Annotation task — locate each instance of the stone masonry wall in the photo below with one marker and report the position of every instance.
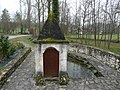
(109, 58)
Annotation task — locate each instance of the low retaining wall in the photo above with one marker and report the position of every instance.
(12, 66)
(109, 58)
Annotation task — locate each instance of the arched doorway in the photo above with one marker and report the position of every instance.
(51, 62)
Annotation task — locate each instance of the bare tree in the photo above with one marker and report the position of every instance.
(85, 13)
(112, 16)
(21, 16)
(64, 15)
(43, 10)
(28, 14)
(94, 19)
(39, 11)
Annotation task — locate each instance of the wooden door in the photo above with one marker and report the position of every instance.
(51, 62)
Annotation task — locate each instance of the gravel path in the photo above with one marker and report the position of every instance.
(27, 45)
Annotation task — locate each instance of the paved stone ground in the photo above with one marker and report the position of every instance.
(22, 79)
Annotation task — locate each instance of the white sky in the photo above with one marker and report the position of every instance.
(13, 5)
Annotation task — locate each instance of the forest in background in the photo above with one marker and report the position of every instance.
(95, 20)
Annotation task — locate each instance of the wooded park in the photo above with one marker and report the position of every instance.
(90, 20)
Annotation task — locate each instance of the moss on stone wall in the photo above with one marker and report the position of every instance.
(50, 40)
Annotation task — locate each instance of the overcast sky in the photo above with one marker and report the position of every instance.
(10, 5)
(13, 5)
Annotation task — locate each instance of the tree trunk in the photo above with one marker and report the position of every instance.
(111, 34)
(21, 23)
(29, 15)
(39, 26)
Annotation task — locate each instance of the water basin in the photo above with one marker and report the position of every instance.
(75, 70)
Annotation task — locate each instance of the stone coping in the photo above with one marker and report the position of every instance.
(95, 48)
(12, 66)
(84, 61)
(50, 41)
(107, 57)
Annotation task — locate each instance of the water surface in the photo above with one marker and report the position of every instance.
(76, 70)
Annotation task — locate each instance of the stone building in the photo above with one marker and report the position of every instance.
(51, 51)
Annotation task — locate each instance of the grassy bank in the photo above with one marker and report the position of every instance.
(25, 39)
(100, 37)
(115, 47)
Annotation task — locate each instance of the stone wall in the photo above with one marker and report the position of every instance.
(109, 58)
(12, 66)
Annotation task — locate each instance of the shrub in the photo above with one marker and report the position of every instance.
(18, 45)
(6, 48)
(64, 78)
(39, 79)
(11, 50)
(4, 45)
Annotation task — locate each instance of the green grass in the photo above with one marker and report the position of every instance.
(16, 31)
(115, 47)
(114, 37)
(24, 39)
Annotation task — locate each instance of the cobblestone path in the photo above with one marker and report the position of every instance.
(22, 79)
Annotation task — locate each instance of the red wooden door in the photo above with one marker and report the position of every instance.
(51, 62)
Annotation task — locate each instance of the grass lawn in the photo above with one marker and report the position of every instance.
(115, 47)
(114, 37)
(24, 39)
